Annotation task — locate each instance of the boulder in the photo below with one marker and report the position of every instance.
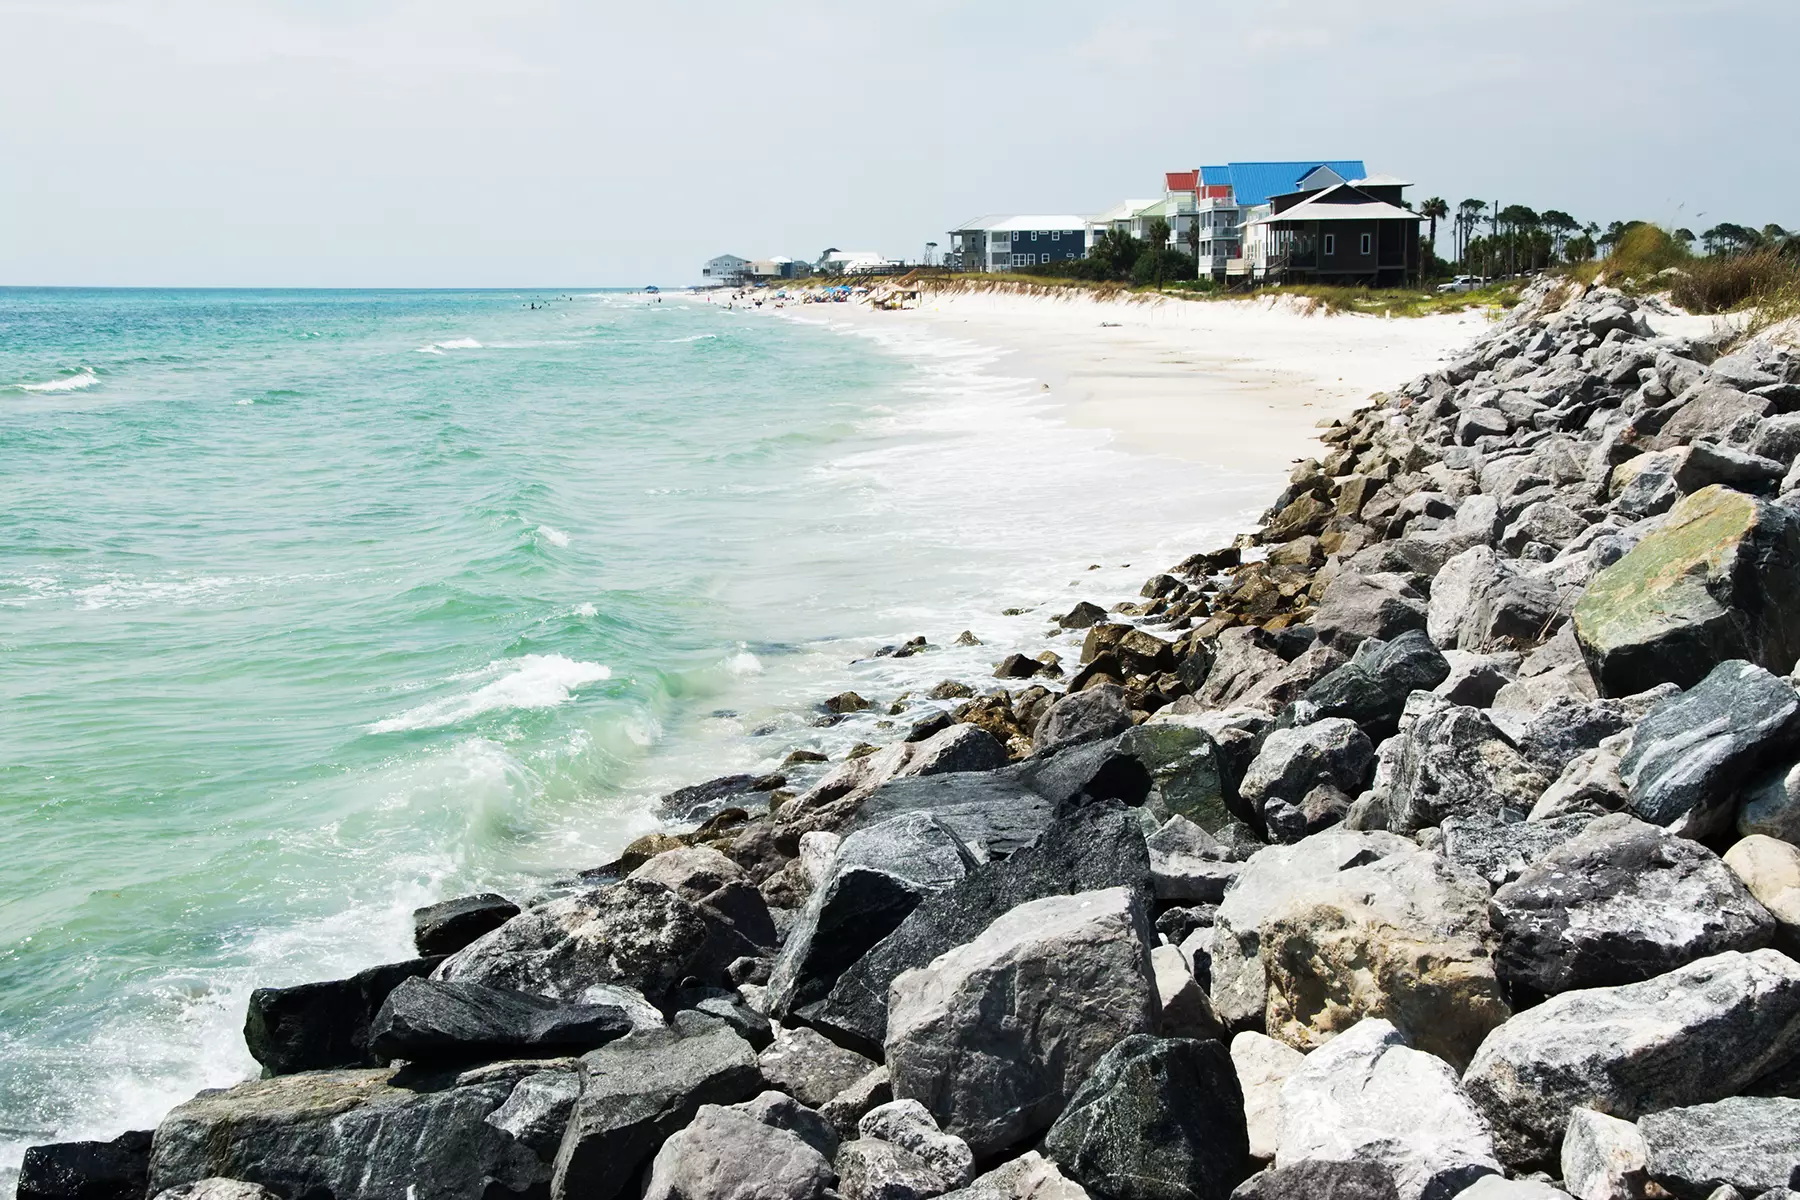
(1713, 583)
(1293, 761)
(1770, 871)
(315, 1026)
(700, 801)
(1370, 1097)
(998, 811)
(637, 1091)
(1475, 679)
(449, 925)
(1098, 712)
(1588, 786)
(810, 1068)
(1496, 1187)
(959, 748)
(1243, 657)
(902, 1155)
(427, 1020)
(1771, 804)
(1454, 761)
(1188, 865)
(115, 1170)
(374, 1134)
(1715, 412)
(1027, 1177)
(907, 1124)
(1482, 602)
(1567, 726)
(1321, 1179)
(635, 933)
(1187, 772)
(1156, 1118)
(711, 1159)
(1371, 689)
(1500, 850)
(1751, 1143)
(1263, 1065)
(1696, 1034)
(1618, 903)
(216, 1189)
(1356, 606)
(1603, 1158)
(878, 876)
(993, 1037)
(694, 872)
(1693, 751)
(1185, 1010)
(849, 1106)
(1096, 849)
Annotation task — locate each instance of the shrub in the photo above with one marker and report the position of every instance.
(1643, 251)
(1721, 283)
(1162, 266)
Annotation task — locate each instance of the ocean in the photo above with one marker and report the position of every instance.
(319, 606)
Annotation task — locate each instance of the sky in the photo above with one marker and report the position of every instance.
(464, 143)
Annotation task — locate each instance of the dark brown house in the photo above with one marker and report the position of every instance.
(1354, 234)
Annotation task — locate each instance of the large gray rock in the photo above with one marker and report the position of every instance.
(640, 1089)
(1603, 1158)
(998, 811)
(878, 876)
(1294, 761)
(747, 1151)
(1370, 1097)
(1094, 849)
(1692, 752)
(1453, 761)
(994, 1036)
(1188, 865)
(1244, 657)
(1495, 1187)
(1698, 1033)
(365, 1133)
(1751, 1143)
(1371, 689)
(1185, 1010)
(1618, 903)
(956, 749)
(318, 1026)
(695, 872)
(1715, 582)
(1027, 1177)
(427, 1020)
(906, 1124)
(1356, 606)
(635, 933)
(1156, 1118)
(1098, 712)
(1263, 1065)
(1482, 602)
(1771, 803)
(212, 1189)
(809, 1067)
(1321, 1179)
(1500, 850)
(1565, 728)
(449, 925)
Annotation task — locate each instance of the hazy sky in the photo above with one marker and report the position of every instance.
(581, 142)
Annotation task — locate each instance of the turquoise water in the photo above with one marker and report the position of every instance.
(318, 606)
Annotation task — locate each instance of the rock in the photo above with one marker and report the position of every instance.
(694, 872)
(846, 702)
(1603, 1158)
(1370, 1097)
(1357, 606)
(1404, 938)
(703, 800)
(1083, 616)
(1321, 1179)
(115, 1170)
(427, 1020)
(878, 876)
(1371, 689)
(1548, 522)
(849, 1106)
(449, 925)
(950, 689)
(728, 1153)
(1096, 849)
(1495, 1187)
(939, 1161)
(367, 1133)
(1187, 772)
(1262, 890)
(1567, 726)
(1711, 584)
(1185, 1010)
(1770, 870)
(1098, 712)
(1618, 903)
(998, 811)
(1589, 785)
(1499, 850)
(809, 1068)
(638, 1091)
(1475, 679)
(1293, 761)
(871, 1169)
(1716, 413)
(1243, 658)
(959, 748)
(1698, 1033)
(1481, 602)
(1691, 752)
(1027, 1177)
(1771, 804)
(1454, 762)
(993, 1037)
(731, 1008)
(1187, 864)
(1263, 1065)
(1157, 1117)
(1751, 1143)
(217, 1189)
(315, 1026)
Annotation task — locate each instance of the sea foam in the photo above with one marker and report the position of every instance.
(534, 681)
(85, 378)
(453, 344)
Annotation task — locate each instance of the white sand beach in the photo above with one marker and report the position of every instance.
(1240, 384)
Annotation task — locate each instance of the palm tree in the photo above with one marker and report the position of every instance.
(1431, 210)
(1468, 216)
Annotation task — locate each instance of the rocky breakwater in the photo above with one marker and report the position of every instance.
(1438, 839)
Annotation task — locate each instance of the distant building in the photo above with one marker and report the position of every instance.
(1225, 197)
(1335, 232)
(727, 269)
(765, 270)
(854, 262)
(1003, 243)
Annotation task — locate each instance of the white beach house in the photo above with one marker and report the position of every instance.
(1002, 243)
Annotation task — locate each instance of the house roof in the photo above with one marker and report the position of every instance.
(1341, 202)
(1253, 183)
(1125, 210)
(1380, 180)
(1027, 222)
(1181, 181)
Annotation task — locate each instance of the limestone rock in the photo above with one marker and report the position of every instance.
(1263, 1065)
(1751, 1143)
(1603, 1158)
(993, 1037)
(1770, 870)
(1618, 903)
(1156, 1117)
(1696, 1034)
(1369, 1097)
(1713, 583)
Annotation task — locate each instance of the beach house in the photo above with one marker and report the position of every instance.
(725, 269)
(1353, 233)
(1002, 243)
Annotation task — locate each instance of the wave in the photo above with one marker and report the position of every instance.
(555, 537)
(85, 378)
(698, 337)
(534, 681)
(453, 344)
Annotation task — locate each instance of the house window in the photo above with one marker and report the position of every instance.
(1056, 235)
(1331, 243)
(1367, 238)
(1034, 234)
